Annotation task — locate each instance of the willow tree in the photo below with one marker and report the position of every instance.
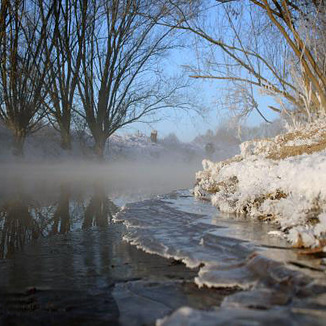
(119, 82)
(23, 69)
(66, 30)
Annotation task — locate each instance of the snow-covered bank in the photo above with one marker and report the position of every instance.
(282, 180)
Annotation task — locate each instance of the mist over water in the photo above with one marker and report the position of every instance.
(57, 238)
(44, 199)
(133, 179)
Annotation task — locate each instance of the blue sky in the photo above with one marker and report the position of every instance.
(187, 125)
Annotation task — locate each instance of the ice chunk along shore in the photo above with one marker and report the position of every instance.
(167, 227)
(157, 226)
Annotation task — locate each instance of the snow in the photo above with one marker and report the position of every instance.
(290, 192)
(301, 142)
(256, 184)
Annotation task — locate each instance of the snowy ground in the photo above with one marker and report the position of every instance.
(282, 180)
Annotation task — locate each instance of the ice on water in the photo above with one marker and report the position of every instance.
(228, 252)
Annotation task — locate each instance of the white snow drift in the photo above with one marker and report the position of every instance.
(282, 180)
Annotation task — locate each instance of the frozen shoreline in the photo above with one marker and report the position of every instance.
(169, 227)
(282, 180)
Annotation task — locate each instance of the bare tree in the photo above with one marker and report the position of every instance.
(66, 33)
(3, 18)
(266, 44)
(22, 70)
(120, 82)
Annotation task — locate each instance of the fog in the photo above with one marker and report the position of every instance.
(129, 180)
(134, 168)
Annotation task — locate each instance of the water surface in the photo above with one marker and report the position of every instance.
(63, 259)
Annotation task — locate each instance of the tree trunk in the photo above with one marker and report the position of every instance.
(99, 148)
(65, 139)
(18, 144)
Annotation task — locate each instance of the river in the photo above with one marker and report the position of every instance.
(106, 247)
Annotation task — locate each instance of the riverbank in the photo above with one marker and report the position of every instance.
(281, 180)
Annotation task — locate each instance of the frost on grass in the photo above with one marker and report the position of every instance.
(282, 180)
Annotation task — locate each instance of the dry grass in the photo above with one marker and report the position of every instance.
(284, 151)
(313, 251)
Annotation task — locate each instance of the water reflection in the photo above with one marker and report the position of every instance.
(100, 209)
(17, 225)
(61, 217)
(24, 218)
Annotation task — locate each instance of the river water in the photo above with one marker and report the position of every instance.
(106, 247)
